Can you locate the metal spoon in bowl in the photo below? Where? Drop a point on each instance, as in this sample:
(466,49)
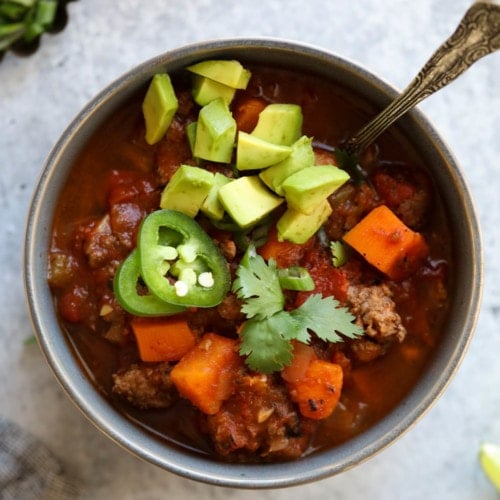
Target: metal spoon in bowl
(477,35)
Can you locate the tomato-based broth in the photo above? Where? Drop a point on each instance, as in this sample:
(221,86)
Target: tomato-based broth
(275,413)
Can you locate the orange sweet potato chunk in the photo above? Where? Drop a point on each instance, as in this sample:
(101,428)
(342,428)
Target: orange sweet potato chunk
(163,339)
(318,392)
(387,243)
(206,374)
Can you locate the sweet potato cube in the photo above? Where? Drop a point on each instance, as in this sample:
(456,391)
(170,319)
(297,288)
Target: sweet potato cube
(163,339)
(318,392)
(206,374)
(387,243)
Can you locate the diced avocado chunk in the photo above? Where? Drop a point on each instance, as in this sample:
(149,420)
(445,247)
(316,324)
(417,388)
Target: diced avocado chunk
(302,156)
(253,153)
(230,72)
(297,227)
(191,135)
(215,132)
(187,190)
(212,207)
(206,90)
(159,107)
(307,188)
(279,124)
(247,200)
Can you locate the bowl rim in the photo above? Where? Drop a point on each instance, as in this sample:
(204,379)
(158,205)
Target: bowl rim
(124,432)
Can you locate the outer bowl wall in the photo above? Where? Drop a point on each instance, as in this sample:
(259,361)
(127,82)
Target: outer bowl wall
(459,327)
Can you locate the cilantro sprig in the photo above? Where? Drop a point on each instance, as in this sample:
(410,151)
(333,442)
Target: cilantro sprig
(258,283)
(266,336)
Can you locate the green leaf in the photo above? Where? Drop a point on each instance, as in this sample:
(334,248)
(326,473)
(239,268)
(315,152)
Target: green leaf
(258,284)
(33,30)
(266,349)
(9,33)
(326,319)
(266,337)
(45,12)
(12,11)
(25,20)
(25,3)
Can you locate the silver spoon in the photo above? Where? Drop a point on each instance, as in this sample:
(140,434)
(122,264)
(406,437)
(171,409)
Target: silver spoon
(477,35)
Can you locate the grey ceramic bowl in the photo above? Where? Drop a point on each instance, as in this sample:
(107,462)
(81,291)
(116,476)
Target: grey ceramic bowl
(458,330)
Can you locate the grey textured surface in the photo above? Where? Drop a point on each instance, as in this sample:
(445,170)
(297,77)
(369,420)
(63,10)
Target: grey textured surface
(39,95)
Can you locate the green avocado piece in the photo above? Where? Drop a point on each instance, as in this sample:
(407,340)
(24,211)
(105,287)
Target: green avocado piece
(298,227)
(230,72)
(253,153)
(279,124)
(212,207)
(206,90)
(191,134)
(159,107)
(187,189)
(215,132)
(247,200)
(302,156)
(307,188)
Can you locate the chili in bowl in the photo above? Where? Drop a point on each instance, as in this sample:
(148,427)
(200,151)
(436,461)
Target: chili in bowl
(220,295)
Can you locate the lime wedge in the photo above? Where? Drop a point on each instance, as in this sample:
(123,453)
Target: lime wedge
(489,458)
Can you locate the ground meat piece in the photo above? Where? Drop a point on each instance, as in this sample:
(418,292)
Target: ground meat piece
(259,419)
(63,267)
(146,386)
(376,312)
(413,211)
(100,244)
(125,219)
(230,308)
(222,319)
(228,249)
(406,191)
(366,350)
(110,312)
(350,203)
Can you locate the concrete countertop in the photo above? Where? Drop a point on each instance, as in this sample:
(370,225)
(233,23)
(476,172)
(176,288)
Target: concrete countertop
(40,94)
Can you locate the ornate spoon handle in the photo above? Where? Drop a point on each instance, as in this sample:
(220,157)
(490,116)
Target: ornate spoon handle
(477,35)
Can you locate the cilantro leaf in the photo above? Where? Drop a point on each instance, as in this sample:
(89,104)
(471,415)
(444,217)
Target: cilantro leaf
(263,344)
(326,319)
(266,337)
(258,284)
